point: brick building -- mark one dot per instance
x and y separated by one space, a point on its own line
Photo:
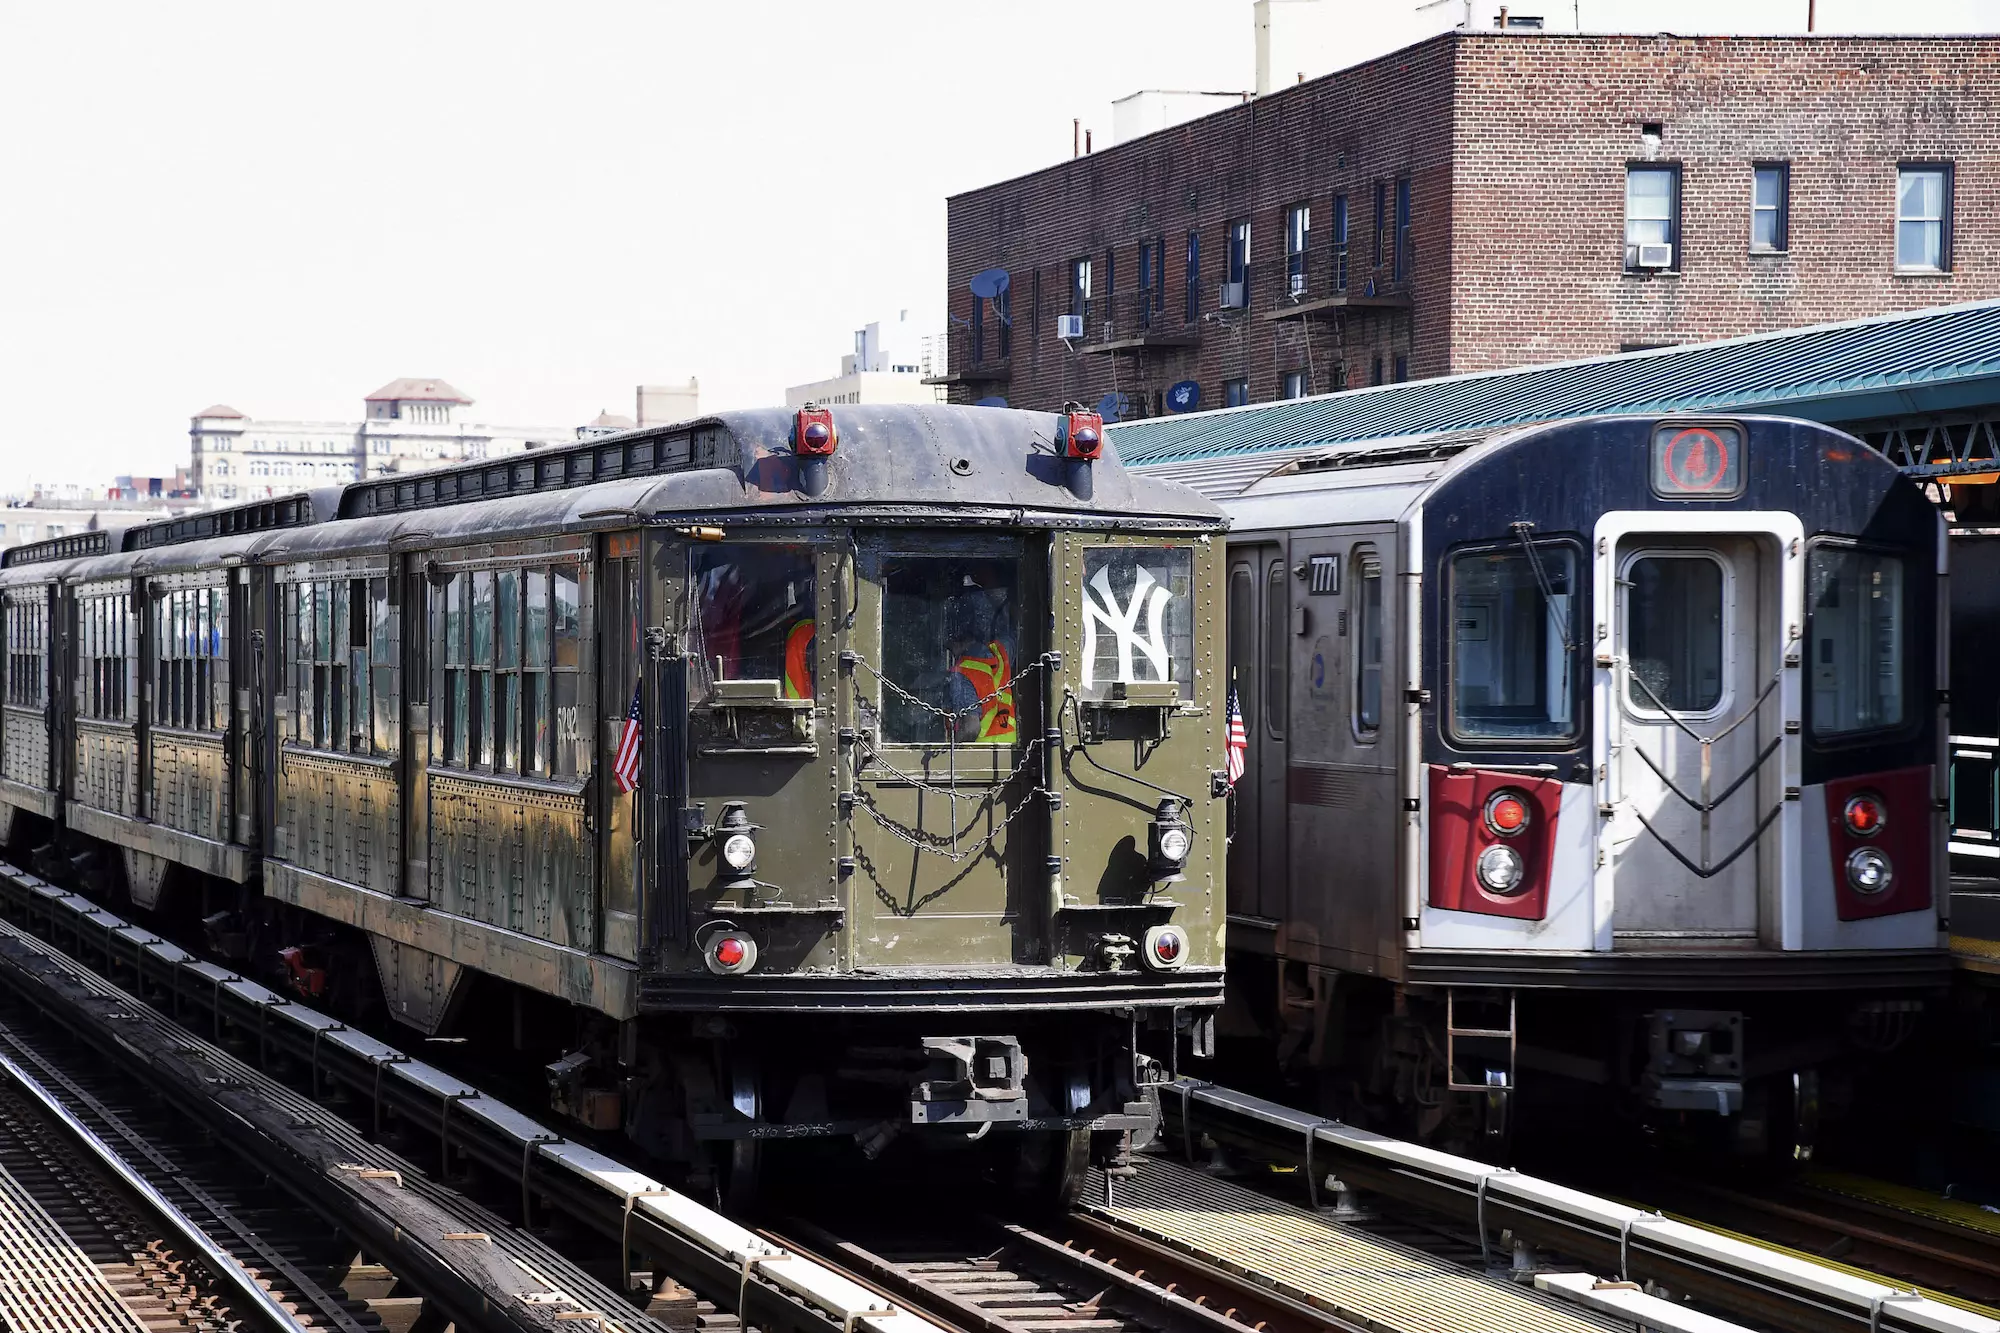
1484 200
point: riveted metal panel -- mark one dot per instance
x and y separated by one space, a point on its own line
107 766
24 747
515 856
338 817
189 782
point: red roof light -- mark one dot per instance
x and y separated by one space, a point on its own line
813 435
1083 435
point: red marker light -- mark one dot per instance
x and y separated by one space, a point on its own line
729 951
813 435
1083 435
1167 947
1865 815
1506 813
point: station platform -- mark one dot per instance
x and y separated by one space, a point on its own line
1334 1266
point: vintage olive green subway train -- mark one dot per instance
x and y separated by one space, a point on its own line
845 771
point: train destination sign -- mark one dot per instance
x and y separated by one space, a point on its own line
1698 462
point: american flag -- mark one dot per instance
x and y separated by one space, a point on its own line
1239 738
625 768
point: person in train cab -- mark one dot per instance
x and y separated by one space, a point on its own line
722 596
982 672
800 669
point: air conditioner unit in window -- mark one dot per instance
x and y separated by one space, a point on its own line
1653 256
1298 284
1069 326
1231 297
1109 330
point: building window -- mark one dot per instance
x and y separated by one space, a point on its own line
1295 384
1152 279
1298 237
1923 217
1402 368
1375 370
1235 393
1340 242
1236 275
978 329
1652 217
1193 276
1770 207
1401 260
1381 218
1079 289
1109 303
1003 315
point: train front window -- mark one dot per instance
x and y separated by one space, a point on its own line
951 648
1673 632
1138 618
754 617
1512 677
1855 600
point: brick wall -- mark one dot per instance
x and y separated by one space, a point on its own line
1546 125
1378 122
1516 148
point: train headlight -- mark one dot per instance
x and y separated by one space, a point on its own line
1869 871
730 954
1507 812
1865 815
1500 870
736 839
1165 948
1169 838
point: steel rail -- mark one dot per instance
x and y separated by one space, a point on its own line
215 1258
767 1286
1748 1279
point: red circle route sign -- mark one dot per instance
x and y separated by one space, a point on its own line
1696 459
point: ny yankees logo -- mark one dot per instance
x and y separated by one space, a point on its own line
1150 600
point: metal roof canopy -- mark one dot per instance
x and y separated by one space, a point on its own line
1922 386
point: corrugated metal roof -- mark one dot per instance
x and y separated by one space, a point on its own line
1927 360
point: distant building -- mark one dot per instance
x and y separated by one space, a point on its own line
665 404
406 425
888 365
1498 195
61 509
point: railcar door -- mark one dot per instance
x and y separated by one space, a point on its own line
1696 729
1260 646
946 642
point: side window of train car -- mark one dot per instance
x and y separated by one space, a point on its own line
191 673
104 647
1367 644
343 640
1513 613
951 649
1277 647
27 649
1855 634
752 620
512 655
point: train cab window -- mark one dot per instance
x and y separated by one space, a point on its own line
1855 633
1138 623
951 646
1513 622
754 617
1277 648
1674 633
1368 646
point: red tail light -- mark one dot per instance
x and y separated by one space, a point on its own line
1165 948
813 435
731 954
1865 814
1507 812
1083 435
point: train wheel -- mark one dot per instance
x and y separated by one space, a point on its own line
1049 1168
740 1173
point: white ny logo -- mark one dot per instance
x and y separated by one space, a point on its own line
1149 598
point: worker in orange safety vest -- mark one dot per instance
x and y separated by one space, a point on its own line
799 673
992 678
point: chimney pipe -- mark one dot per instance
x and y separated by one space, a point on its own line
1086 141
1075 144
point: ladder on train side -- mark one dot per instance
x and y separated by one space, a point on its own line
1496 1083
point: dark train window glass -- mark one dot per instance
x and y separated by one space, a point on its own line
385 645
1855 634
479 736
1511 679
27 642
1368 646
1138 617
506 668
1673 633
1277 647
1243 638
535 666
950 649
754 617
567 626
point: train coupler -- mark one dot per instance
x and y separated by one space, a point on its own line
1694 1060
970 1081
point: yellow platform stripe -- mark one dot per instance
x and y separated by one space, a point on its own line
1903 1198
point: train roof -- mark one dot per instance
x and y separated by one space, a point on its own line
892 464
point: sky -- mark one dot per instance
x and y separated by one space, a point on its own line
282 207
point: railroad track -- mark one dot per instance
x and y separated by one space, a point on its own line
204 1248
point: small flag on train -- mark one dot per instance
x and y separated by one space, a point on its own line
625 768
1239 738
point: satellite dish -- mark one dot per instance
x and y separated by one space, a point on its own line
989 283
995 401
1113 407
1184 397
